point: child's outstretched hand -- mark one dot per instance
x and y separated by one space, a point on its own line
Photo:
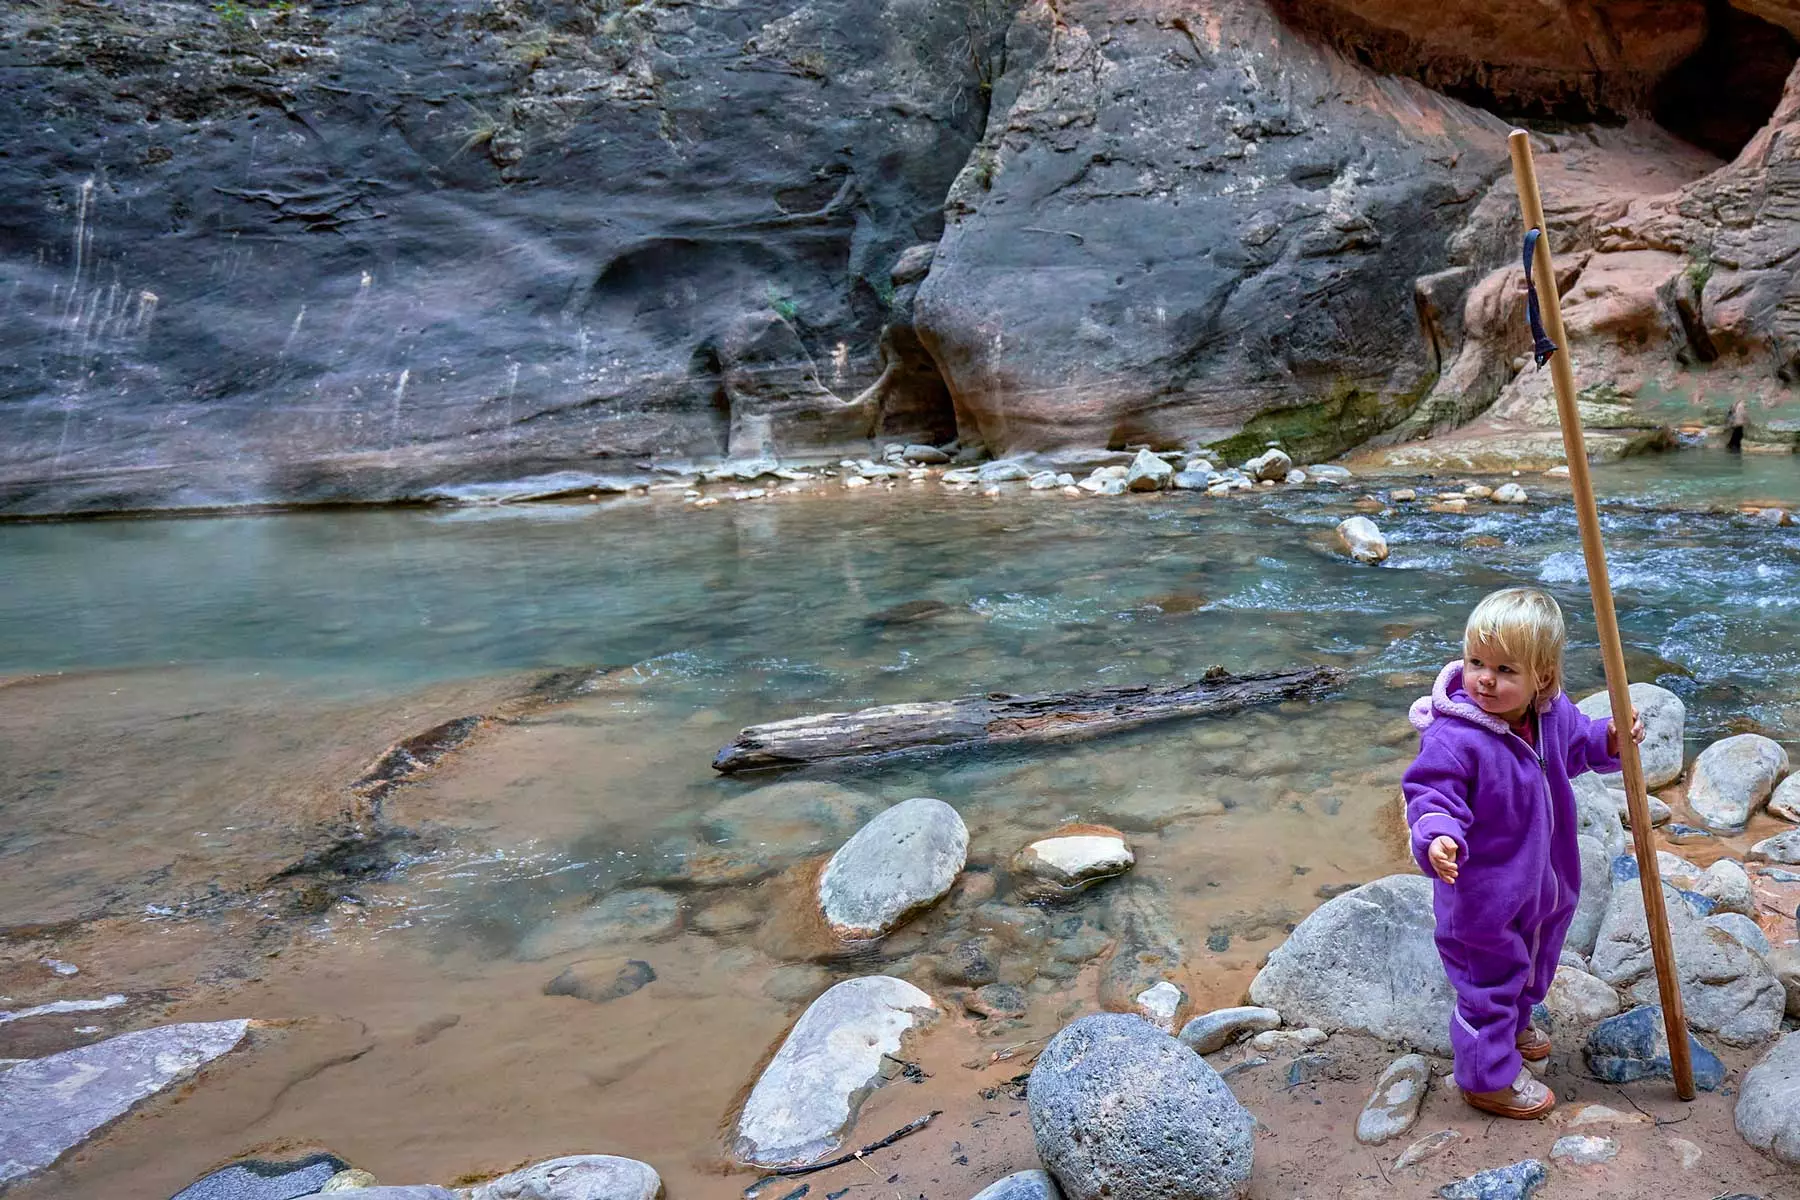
1442 854
1612 733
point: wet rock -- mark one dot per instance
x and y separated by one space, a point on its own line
1515 1182
1677 870
1022 1185
1596 894
1596 814
925 456
1148 473
641 914
1159 1003
1782 848
601 979
1727 885
1004 471
1071 860
809 1094
1271 464
1578 998
1726 988
1634 1045
1768 1105
1510 493
49 1105
1147 946
1584 1150
576 1177
732 914
1217 1029
1296 476
1121 1110
1746 931
1402 495
797 981
1665 723
1733 778
1427 1147
971 962
1398 1098
902 861
1365 962
1361 540
256 1179
1000 1001
1191 481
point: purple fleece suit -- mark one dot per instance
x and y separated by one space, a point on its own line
1511 812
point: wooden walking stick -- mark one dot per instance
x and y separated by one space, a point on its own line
1554 347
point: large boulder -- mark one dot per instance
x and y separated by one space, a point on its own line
1665 723
902 861
1362 540
576 1177
1733 778
808 1096
1596 895
1149 473
1365 962
1726 988
1768 1106
1122 1111
49 1105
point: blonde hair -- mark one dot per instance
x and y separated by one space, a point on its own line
1526 625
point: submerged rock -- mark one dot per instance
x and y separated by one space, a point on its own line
1365 962
1733 778
1123 1111
808 1096
1159 1003
1665 724
601 979
902 861
1362 541
49 1105
1635 1045
1021 1185
1516 1182
1398 1098
1768 1105
257 1179
999 1001
641 914
757 833
1071 860
1217 1029
576 1177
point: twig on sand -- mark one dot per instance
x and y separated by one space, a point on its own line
751 1192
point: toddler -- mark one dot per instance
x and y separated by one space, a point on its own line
1493 818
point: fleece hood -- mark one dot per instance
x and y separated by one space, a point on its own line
1448 699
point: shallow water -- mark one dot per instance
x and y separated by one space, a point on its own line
713 619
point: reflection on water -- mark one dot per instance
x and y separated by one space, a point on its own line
714 619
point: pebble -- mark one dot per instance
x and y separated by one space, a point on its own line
1510 493
1402 495
1217 1029
1394 1106
1159 1003
1429 1146
1584 1151
1514 1182
1362 540
1590 1115
1455 504
1284 1041
1687 1152
1478 491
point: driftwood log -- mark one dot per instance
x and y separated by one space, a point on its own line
1000 718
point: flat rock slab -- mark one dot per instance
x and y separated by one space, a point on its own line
48 1105
1365 962
809 1095
1768 1106
1734 777
256 1179
640 914
1584 1150
902 861
1782 848
1398 1098
1022 1185
1122 1110
1635 1045
1217 1029
1515 1182
1427 1147
576 1177
1665 723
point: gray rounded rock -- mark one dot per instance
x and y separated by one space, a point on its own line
902 861
1149 473
1217 1029
576 1177
1768 1105
1596 894
1365 962
1123 1111
1394 1106
1733 778
1782 848
1021 1185
1665 723
1784 801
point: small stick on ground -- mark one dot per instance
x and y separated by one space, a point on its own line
840 1160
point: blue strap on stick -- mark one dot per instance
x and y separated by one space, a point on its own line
1542 347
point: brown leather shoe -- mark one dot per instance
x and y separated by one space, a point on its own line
1533 1044
1525 1100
